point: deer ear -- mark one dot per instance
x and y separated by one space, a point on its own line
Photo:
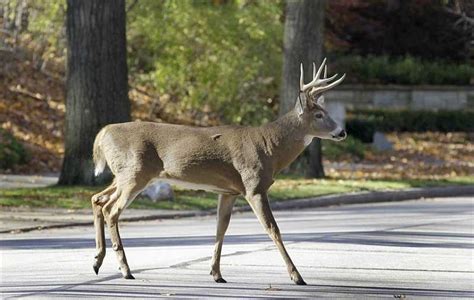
300 104
320 100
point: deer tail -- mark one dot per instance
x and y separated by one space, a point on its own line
98 154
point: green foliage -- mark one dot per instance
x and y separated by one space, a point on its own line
11 151
350 147
406 70
222 58
46 33
362 123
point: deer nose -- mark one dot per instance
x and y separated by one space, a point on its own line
342 134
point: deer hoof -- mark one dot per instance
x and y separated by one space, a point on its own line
96 265
220 280
300 281
217 277
98 259
296 277
129 276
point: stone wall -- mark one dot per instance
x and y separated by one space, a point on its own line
400 96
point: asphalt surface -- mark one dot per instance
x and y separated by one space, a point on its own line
403 250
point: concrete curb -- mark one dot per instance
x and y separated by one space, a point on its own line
371 197
330 200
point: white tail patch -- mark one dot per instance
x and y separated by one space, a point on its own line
99 168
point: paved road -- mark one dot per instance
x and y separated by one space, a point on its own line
404 250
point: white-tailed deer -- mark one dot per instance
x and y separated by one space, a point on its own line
227 160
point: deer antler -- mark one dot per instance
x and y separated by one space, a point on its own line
319 85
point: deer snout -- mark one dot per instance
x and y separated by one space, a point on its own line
342 134
339 135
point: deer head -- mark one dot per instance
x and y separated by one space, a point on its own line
310 105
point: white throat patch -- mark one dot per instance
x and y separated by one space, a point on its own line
308 139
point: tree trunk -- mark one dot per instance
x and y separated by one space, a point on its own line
303 42
97 85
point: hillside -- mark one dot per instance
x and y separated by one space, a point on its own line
32 109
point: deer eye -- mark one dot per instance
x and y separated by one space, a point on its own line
318 115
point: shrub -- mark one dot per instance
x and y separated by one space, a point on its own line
405 70
362 123
351 147
11 151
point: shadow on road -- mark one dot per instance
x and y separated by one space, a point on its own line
417 239
230 290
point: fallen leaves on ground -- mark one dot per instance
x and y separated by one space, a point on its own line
429 155
32 109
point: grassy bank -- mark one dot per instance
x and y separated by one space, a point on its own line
284 189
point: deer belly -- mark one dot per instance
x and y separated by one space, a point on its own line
197 186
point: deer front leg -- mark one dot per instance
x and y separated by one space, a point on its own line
97 202
261 208
224 211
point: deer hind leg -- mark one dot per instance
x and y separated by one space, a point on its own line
126 191
104 196
261 208
98 200
224 211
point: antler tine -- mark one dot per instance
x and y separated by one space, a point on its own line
322 89
320 69
301 77
326 80
318 85
316 76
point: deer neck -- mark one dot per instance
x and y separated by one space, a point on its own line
285 139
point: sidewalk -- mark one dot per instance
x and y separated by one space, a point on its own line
15 220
